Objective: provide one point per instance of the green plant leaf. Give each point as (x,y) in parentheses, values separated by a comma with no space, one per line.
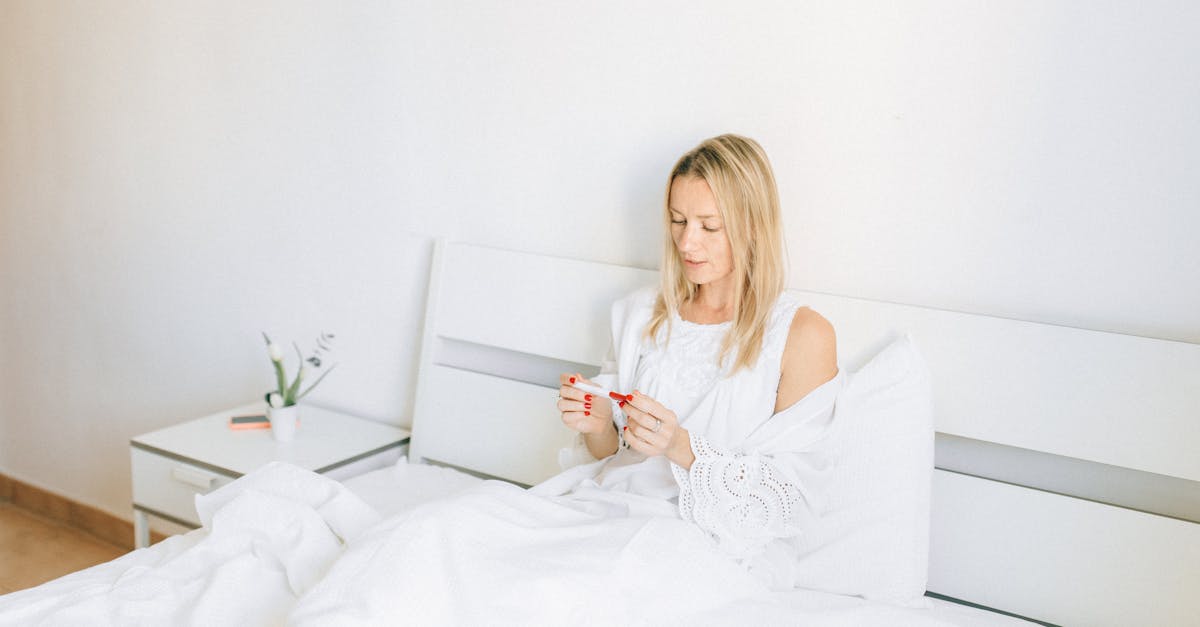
(290,397)
(314,384)
(280,378)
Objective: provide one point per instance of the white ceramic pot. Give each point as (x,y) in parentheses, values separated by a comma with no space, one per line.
(283,422)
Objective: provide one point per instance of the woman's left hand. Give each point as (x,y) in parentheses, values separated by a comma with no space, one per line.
(652,430)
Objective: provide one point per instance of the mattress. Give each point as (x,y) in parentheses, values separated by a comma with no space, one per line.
(404,485)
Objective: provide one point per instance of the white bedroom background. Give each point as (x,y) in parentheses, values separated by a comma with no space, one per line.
(176,177)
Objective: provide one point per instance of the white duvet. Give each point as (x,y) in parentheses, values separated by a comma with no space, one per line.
(286,546)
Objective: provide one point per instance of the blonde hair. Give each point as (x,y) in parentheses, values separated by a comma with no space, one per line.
(740,177)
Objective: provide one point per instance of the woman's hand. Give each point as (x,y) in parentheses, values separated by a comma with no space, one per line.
(581,411)
(654,430)
(587,414)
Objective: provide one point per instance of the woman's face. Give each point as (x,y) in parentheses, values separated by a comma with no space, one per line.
(698,232)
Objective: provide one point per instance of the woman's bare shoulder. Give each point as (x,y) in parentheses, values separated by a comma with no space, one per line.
(809,357)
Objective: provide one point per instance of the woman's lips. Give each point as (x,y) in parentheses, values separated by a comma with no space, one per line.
(693,264)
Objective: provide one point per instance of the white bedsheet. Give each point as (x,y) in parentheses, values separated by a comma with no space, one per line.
(283,545)
(268,537)
(404,485)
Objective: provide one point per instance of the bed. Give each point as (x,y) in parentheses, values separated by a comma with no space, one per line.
(1061,485)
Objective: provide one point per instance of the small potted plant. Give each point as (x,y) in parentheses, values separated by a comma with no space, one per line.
(282,410)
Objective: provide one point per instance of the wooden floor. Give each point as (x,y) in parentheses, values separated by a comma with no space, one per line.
(34,550)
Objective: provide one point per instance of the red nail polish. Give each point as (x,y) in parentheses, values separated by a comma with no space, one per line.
(587,397)
(587,405)
(629,398)
(572,379)
(625,429)
(621,404)
(587,413)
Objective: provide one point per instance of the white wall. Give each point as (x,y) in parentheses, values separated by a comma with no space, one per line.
(176,176)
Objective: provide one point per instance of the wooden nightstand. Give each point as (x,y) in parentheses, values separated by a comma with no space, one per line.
(172,465)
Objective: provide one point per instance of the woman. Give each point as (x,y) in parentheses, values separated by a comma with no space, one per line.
(717,358)
(732,384)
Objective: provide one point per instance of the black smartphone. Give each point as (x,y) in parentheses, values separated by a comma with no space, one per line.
(256,421)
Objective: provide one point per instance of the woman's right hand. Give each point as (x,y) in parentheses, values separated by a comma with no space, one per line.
(581,411)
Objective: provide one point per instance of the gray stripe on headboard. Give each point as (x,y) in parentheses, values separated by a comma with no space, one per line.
(1113,485)
(473,473)
(506,364)
(1103,483)
(934,595)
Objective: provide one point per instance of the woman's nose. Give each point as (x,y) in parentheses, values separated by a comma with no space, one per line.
(686,239)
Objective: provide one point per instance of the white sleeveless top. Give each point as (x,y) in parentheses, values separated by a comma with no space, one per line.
(755,481)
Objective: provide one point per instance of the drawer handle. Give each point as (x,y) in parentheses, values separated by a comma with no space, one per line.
(191,476)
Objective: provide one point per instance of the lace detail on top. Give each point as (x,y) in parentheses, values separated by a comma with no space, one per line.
(737,499)
(690,356)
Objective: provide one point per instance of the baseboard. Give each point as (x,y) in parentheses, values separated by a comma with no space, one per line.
(101,524)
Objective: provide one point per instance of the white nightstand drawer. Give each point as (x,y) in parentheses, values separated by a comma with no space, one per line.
(168,486)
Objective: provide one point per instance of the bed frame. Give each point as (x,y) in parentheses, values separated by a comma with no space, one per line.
(1067,481)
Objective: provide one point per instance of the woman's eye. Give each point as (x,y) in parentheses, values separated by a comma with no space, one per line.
(711,229)
(678,221)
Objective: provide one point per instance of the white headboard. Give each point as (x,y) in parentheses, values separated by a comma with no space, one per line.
(1068,481)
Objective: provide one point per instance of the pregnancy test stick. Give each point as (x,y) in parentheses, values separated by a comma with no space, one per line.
(599,391)
(618,418)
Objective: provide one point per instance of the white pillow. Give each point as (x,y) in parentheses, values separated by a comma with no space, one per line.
(872,538)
